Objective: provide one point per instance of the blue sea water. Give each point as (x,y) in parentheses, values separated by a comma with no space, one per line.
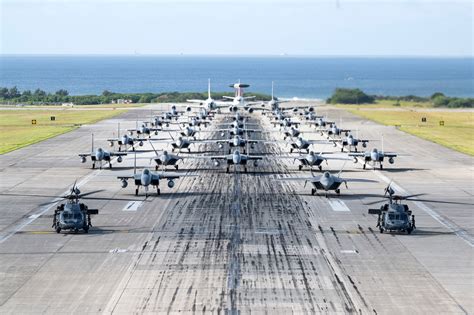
(303,77)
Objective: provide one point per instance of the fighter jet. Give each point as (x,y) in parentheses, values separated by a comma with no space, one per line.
(236,131)
(236,158)
(238,141)
(147,178)
(286,122)
(274,103)
(100,155)
(326,182)
(208,104)
(165,158)
(127,141)
(333,130)
(180,143)
(320,122)
(374,156)
(351,142)
(313,159)
(291,132)
(303,144)
(144,130)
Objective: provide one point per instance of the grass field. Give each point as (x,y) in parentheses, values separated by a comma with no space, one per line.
(457,132)
(17,131)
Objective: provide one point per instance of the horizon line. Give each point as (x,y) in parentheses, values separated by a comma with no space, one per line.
(284,55)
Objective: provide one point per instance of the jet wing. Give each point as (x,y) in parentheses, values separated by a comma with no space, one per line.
(389,154)
(312,179)
(359,180)
(84,154)
(118,153)
(357,154)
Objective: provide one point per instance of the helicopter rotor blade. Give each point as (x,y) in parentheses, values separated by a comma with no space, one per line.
(89,193)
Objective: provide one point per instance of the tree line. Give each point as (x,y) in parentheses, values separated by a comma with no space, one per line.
(357,96)
(40,97)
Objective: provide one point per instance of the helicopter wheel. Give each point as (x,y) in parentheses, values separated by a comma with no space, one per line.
(300,167)
(381,230)
(342,149)
(176,167)
(86,229)
(320,167)
(93,165)
(381,166)
(245,169)
(291,150)
(58,230)
(355,149)
(110,165)
(156,167)
(313,191)
(227,170)
(136,191)
(158,191)
(338,191)
(363,166)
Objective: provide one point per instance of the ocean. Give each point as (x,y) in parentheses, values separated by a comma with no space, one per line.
(301,77)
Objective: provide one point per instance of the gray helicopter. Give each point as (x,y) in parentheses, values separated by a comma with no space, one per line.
(100,155)
(326,182)
(73,215)
(396,216)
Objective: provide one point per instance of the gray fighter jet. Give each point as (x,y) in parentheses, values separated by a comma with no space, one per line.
(303,144)
(351,142)
(326,181)
(374,156)
(100,155)
(314,159)
(236,158)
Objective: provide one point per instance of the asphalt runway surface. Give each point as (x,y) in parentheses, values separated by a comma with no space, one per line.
(236,242)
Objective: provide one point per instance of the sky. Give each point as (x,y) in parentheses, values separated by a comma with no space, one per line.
(238,27)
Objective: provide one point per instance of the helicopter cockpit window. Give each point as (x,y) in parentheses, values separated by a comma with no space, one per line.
(77,215)
(67,215)
(403,216)
(391,216)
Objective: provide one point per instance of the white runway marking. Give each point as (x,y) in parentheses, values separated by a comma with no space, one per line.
(132,206)
(338,205)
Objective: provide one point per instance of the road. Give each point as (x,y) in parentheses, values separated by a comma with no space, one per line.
(239,242)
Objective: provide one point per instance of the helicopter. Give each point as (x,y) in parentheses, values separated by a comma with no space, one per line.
(73,215)
(394,215)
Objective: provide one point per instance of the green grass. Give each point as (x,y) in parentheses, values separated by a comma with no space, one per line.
(457,132)
(16,130)
(389,104)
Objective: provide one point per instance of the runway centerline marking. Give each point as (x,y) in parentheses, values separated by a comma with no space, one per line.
(338,205)
(132,206)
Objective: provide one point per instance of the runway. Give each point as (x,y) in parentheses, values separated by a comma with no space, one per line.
(236,243)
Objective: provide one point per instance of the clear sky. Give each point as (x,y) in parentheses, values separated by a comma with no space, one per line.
(241,27)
